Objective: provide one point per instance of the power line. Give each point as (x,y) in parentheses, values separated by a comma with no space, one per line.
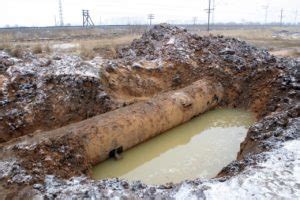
(150,17)
(60,11)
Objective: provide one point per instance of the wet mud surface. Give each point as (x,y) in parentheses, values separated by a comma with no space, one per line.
(39,94)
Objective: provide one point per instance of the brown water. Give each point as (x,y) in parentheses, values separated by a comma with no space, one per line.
(198,148)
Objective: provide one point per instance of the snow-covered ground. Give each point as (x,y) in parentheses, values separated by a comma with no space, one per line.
(278,177)
(67,65)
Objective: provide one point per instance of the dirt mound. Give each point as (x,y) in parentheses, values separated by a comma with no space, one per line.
(168,57)
(162,41)
(44,93)
(177,45)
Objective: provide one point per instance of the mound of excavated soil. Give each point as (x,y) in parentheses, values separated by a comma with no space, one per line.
(44,93)
(39,94)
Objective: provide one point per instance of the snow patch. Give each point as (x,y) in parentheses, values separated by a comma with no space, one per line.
(6,167)
(276,178)
(68,65)
(81,188)
(11,168)
(70,189)
(185,193)
(65,46)
(171,41)
(24,145)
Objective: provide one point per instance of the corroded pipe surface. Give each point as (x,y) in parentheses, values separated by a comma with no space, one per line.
(131,125)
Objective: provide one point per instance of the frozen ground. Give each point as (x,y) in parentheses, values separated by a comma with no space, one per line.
(67,65)
(276,178)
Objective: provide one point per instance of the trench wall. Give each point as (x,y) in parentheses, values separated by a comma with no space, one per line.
(134,124)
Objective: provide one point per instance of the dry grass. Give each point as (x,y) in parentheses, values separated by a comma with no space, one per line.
(86,52)
(66,34)
(47,48)
(88,49)
(37,49)
(5,46)
(89,43)
(14,50)
(6,37)
(261,37)
(17,51)
(264,38)
(295,53)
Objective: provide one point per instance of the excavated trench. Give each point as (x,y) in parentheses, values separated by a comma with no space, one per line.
(60,115)
(199,148)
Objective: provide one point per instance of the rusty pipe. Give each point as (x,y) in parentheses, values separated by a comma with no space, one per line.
(134,124)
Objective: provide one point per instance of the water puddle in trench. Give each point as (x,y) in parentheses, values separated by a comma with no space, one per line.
(198,148)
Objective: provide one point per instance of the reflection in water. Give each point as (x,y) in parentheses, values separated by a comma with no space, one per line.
(198,148)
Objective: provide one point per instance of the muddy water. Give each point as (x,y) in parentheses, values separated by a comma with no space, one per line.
(198,148)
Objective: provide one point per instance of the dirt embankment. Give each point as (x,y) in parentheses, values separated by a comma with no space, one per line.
(39,94)
(166,58)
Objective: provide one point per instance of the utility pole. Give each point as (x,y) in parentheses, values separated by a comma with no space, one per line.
(86,19)
(281,17)
(266,13)
(194,20)
(296,16)
(60,11)
(150,17)
(209,11)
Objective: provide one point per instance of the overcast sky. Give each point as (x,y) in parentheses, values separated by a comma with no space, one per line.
(44,12)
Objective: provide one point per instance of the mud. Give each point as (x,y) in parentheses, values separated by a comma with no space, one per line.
(210,140)
(40,94)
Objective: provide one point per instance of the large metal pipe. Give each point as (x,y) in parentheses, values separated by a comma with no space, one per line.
(134,124)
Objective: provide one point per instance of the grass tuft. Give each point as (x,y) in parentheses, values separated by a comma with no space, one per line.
(86,53)
(37,49)
(16,51)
